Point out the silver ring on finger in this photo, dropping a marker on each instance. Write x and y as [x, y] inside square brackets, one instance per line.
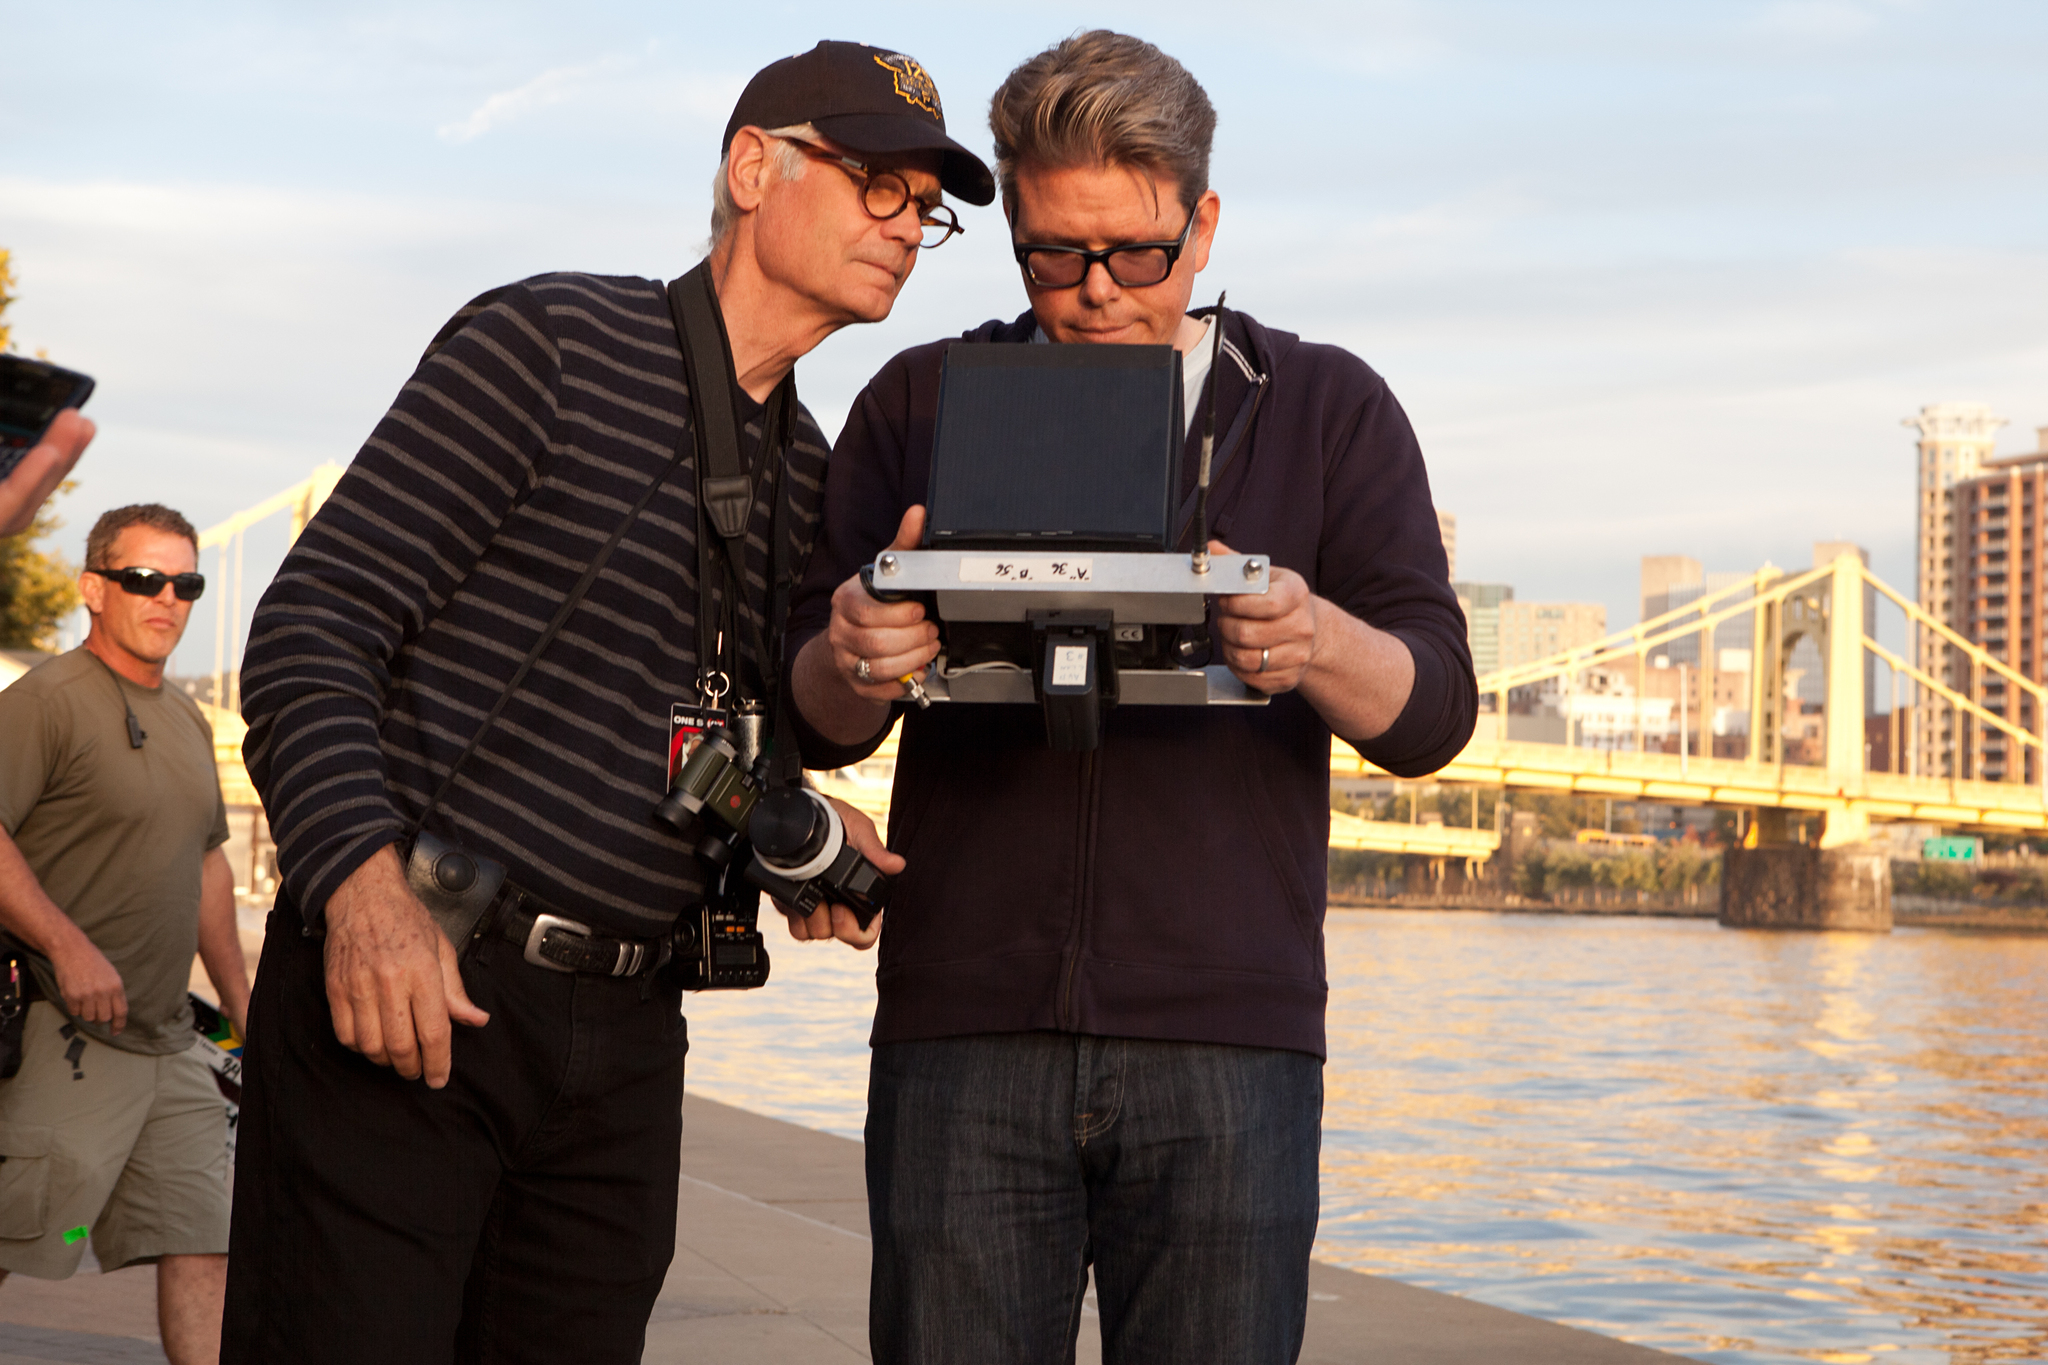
[861, 671]
[1265, 657]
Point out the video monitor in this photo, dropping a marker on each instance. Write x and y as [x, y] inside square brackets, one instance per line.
[31, 393]
[1071, 445]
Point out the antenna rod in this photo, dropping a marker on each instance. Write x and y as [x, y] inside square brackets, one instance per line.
[1200, 561]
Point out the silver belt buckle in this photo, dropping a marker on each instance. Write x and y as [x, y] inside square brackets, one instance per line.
[541, 925]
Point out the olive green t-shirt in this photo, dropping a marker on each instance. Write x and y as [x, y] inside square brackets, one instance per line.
[115, 834]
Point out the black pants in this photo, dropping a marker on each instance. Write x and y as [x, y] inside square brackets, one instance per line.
[526, 1212]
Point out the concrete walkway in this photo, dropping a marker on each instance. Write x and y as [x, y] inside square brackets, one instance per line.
[772, 1266]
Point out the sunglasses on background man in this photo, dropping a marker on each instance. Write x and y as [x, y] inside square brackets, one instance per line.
[150, 582]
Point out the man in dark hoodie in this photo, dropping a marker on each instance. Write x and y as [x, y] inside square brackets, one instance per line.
[1099, 1035]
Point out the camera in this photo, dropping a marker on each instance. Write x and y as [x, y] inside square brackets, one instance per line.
[719, 947]
[712, 777]
[802, 856]
[789, 842]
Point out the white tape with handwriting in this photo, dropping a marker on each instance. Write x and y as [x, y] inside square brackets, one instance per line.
[1026, 569]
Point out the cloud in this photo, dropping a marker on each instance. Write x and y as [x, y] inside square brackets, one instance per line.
[549, 87]
[1372, 38]
[1824, 20]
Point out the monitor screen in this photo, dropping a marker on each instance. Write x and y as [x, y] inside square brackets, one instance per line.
[31, 393]
[1073, 445]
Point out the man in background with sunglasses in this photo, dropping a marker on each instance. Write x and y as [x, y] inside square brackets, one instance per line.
[111, 876]
[1099, 1032]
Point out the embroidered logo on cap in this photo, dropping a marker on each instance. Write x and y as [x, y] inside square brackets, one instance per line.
[912, 82]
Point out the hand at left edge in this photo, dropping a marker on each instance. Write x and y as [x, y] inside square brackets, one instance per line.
[30, 483]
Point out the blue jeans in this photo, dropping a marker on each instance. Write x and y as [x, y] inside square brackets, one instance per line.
[1001, 1166]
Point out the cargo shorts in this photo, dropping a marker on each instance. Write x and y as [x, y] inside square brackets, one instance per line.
[129, 1150]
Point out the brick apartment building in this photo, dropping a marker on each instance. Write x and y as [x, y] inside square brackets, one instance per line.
[1982, 521]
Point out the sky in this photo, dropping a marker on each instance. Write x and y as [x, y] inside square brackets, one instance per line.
[1651, 278]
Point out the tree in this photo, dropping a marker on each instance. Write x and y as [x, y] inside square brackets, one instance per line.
[36, 588]
[6, 283]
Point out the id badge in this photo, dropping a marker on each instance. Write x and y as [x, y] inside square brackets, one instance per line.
[687, 724]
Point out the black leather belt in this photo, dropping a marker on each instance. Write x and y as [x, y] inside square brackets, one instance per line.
[565, 945]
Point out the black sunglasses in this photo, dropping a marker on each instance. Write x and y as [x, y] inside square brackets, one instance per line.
[1135, 265]
[150, 582]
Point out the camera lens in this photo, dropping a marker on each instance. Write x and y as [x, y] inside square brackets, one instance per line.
[789, 827]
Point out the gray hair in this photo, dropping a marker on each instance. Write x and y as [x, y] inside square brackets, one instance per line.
[1103, 98]
[788, 163]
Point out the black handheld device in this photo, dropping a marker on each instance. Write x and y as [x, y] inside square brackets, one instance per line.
[32, 393]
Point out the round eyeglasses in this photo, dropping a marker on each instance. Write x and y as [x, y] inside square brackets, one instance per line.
[1135, 265]
[884, 194]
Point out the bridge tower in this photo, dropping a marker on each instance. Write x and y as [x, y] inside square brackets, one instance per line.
[1956, 440]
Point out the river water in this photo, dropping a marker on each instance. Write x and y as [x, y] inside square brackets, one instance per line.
[1737, 1146]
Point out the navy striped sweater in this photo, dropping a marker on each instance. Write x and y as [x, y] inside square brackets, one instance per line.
[533, 422]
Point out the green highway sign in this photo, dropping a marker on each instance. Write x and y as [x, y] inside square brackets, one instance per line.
[1953, 849]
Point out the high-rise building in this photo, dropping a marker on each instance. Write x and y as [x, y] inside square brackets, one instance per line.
[1986, 578]
[1956, 441]
[1715, 663]
[1735, 632]
[1481, 604]
[1661, 574]
[1533, 630]
[1447, 527]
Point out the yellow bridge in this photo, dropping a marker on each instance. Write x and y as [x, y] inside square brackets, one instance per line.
[1826, 604]
[227, 540]
[1997, 715]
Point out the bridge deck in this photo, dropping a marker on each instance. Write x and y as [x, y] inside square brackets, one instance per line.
[1728, 782]
[1518, 764]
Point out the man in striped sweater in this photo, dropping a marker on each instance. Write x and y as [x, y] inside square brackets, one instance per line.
[473, 1155]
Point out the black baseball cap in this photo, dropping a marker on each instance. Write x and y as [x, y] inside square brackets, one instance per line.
[866, 99]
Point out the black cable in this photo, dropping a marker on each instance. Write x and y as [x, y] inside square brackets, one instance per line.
[1201, 556]
[136, 734]
[1198, 642]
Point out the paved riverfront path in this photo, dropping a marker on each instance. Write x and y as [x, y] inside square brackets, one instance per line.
[772, 1266]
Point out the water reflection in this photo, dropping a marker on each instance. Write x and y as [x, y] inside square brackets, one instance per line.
[1737, 1146]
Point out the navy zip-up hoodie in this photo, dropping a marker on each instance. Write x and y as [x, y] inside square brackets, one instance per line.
[1171, 883]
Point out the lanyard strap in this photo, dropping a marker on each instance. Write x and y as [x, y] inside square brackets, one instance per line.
[728, 491]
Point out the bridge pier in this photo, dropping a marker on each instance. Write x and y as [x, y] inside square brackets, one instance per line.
[1795, 886]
